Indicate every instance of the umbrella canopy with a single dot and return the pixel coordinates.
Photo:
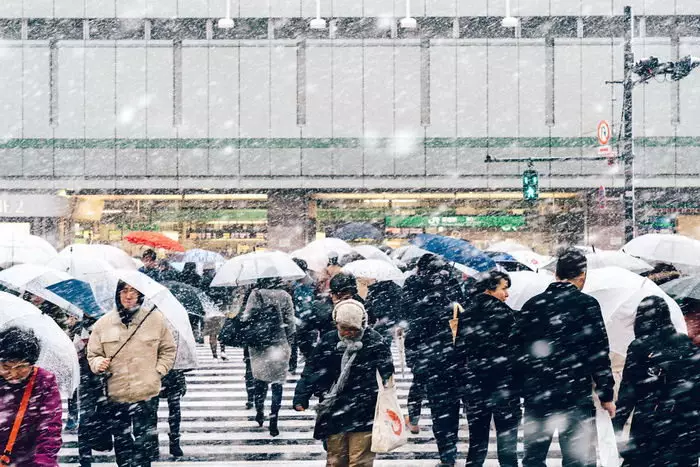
(198, 256)
(247, 269)
(508, 246)
(408, 252)
(316, 260)
(316, 253)
(524, 286)
(58, 354)
(667, 248)
(372, 252)
(187, 295)
(172, 309)
(24, 249)
(619, 293)
(154, 240)
(80, 294)
(531, 259)
(467, 271)
(116, 258)
(35, 279)
(330, 245)
(95, 271)
(683, 288)
(605, 258)
(455, 250)
(354, 231)
(375, 269)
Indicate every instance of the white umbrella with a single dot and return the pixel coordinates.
(531, 259)
(172, 309)
(375, 269)
(328, 245)
(667, 248)
(524, 286)
(508, 246)
(619, 293)
(34, 279)
(24, 249)
(247, 269)
(95, 271)
(465, 269)
(606, 258)
(372, 252)
(409, 252)
(117, 258)
(316, 259)
(58, 354)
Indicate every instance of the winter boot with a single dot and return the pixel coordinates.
(260, 416)
(274, 431)
(175, 449)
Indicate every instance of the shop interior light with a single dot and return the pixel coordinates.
(408, 22)
(227, 22)
(509, 21)
(318, 22)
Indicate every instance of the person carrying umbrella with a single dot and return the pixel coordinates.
(661, 384)
(269, 320)
(30, 413)
(488, 352)
(430, 297)
(150, 267)
(564, 347)
(133, 349)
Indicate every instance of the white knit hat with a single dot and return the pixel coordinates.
(350, 313)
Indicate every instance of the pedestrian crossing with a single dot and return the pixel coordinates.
(217, 430)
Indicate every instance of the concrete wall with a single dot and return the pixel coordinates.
(345, 112)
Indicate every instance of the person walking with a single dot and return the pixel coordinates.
(30, 412)
(150, 267)
(430, 297)
(564, 349)
(661, 384)
(190, 276)
(384, 299)
(343, 368)
(488, 353)
(133, 349)
(269, 320)
(174, 388)
(302, 292)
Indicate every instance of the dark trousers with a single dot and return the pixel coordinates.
(506, 416)
(174, 415)
(73, 406)
(444, 409)
(249, 380)
(416, 396)
(133, 431)
(577, 435)
(261, 395)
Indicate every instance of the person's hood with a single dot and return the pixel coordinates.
(653, 318)
(125, 314)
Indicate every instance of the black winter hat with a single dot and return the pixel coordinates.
(343, 282)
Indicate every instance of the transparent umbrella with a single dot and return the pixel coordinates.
(524, 286)
(24, 249)
(58, 354)
(95, 271)
(375, 269)
(115, 257)
(683, 252)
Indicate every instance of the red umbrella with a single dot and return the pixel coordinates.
(154, 239)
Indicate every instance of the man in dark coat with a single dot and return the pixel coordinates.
(384, 302)
(564, 349)
(488, 353)
(349, 358)
(150, 265)
(429, 299)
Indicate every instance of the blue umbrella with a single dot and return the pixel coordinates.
(455, 250)
(78, 293)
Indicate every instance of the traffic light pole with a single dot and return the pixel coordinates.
(627, 129)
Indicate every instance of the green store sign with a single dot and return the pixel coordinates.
(472, 222)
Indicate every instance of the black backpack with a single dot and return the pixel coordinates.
(265, 326)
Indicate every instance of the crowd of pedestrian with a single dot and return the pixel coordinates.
(542, 369)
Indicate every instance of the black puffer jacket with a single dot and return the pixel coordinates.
(384, 303)
(488, 348)
(354, 408)
(564, 349)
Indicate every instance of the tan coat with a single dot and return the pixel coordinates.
(146, 358)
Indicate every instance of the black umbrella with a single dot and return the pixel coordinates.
(188, 296)
(358, 231)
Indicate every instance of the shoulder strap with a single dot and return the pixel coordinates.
(6, 459)
(133, 333)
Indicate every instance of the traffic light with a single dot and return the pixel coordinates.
(683, 67)
(531, 185)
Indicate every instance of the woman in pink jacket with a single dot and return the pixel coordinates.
(37, 441)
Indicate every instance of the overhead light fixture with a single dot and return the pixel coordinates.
(408, 22)
(509, 21)
(318, 22)
(227, 22)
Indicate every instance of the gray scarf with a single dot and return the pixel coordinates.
(350, 348)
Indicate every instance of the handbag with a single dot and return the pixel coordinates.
(233, 333)
(388, 431)
(6, 457)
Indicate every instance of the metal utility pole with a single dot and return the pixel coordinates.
(627, 133)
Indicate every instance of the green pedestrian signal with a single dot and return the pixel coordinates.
(531, 185)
